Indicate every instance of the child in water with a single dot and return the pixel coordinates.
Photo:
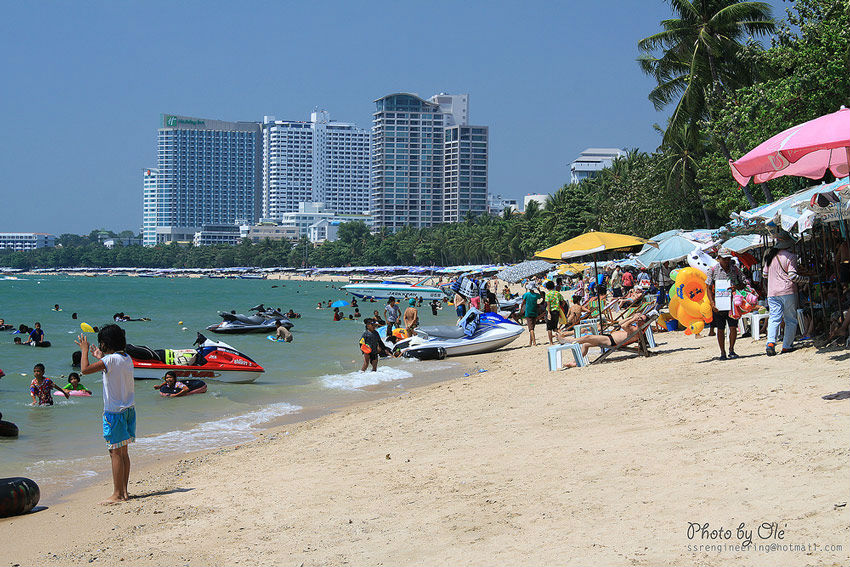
(74, 383)
(41, 388)
(172, 387)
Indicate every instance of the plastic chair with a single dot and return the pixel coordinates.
(591, 325)
(755, 323)
(556, 356)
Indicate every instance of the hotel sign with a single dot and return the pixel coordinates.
(171, 121)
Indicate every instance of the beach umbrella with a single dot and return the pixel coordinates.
(672, 249)
(591, 244)
(806, 150)
(340, 303)
(786, 212)
(588, 244)
(744, 242)
(524, 270)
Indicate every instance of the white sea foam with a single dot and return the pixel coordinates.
(355, 380)
(225, 431)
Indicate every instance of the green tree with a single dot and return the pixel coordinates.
(699, 55)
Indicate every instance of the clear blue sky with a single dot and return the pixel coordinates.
(85, 83)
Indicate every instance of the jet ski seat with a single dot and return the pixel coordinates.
(442, 331)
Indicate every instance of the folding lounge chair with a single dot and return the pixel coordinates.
(642, 347)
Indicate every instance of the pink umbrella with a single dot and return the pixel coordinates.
(805, 150)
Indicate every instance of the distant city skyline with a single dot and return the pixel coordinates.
(86, 86)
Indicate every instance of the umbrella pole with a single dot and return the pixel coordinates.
(598, 297)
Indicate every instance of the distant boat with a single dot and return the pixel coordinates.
(252, 276)
(386, 289)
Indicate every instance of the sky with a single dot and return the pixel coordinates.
(86, 82)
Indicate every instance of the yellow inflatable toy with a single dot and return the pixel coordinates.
(689, 302)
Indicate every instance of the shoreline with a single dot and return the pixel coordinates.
(516, 465)
(372, 393)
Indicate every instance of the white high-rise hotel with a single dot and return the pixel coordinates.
(318, 161)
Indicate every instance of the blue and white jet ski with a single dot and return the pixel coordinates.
(475, 332)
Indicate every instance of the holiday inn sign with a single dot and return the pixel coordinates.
(171, 121)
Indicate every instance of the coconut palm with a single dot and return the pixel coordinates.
(681, 155)
(701, 57)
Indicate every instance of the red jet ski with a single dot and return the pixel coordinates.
(211, 360)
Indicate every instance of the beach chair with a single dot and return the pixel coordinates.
(642, 346)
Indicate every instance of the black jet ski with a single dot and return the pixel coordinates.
(263, 321)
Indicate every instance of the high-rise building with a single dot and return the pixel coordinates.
(208, 173)
(593, 160)
(464, 172)
(150, 206)
(422, 158)
(317, 161)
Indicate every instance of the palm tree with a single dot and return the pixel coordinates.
(680, 157)
(701, 58)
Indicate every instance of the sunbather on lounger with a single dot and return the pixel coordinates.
(627, 327)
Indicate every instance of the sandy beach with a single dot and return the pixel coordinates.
(603, 465)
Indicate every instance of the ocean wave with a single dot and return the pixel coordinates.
(357, 379)
(225, 431)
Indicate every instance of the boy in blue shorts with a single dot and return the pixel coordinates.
(119, 413)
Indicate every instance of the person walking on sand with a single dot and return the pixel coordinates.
(780, 270)
(529, 308)
(119, 411)
(724, 269)
(554, 300)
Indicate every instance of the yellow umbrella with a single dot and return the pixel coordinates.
(590, 243)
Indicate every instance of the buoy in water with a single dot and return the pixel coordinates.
(18, 495)
(7, 428)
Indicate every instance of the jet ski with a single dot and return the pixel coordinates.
(211, 360)
(475, 332)
(262, 322)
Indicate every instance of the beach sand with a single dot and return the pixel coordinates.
(602, 465)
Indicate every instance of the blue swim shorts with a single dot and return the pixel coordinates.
(119, 429)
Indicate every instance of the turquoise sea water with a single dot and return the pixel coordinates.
(62, 444)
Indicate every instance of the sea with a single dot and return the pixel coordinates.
(61, 446)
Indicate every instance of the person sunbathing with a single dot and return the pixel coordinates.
(607, 340)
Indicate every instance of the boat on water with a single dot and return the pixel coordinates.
(211, 360)
(264, 321)
(475, 333)
(387, 289)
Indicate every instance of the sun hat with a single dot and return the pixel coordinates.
(411, 302)
(530, 286)
(784, 243)
(724, 253)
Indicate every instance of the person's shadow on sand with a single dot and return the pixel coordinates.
(159, 493)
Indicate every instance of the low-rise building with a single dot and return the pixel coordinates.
(217, 234)
(540, 198)
(26, 240)
(271, 231)
(593, 160)
(497, 204)
(323, 231)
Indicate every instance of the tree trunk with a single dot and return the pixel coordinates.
(768, 194)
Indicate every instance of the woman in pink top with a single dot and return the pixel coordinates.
(780, 271)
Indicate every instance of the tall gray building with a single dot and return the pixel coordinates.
(422, 161)
(208, 173)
